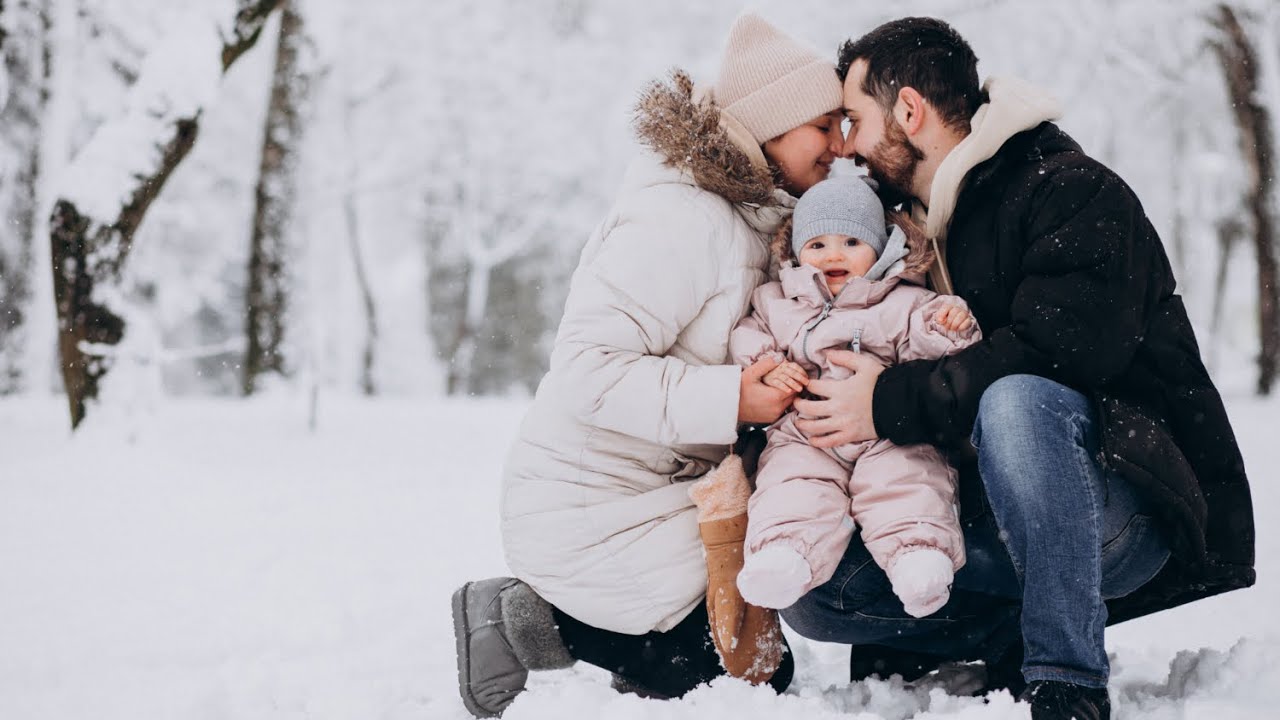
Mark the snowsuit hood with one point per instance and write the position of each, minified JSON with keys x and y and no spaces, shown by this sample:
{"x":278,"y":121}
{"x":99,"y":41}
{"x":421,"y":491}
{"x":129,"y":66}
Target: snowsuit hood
{"x":913,"y":266}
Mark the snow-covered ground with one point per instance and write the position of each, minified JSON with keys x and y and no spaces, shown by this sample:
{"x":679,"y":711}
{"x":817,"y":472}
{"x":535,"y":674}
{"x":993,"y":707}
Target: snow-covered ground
{"x":219,"y":559}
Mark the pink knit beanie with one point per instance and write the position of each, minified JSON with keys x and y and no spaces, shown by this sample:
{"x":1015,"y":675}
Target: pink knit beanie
{"x":769,"y":83}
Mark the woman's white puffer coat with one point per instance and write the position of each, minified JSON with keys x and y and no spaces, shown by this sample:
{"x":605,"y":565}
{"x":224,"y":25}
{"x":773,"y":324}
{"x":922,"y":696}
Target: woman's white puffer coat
{"x":639,"y":399}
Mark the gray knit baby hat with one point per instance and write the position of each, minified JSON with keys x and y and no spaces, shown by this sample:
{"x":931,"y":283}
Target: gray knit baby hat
{"x":840,"y":205}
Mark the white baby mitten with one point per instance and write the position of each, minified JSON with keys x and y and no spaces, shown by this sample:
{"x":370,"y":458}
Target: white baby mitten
{"x":774,"y":577}
{"x":922,"y":580}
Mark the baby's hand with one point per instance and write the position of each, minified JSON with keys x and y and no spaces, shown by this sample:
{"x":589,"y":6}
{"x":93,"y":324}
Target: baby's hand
{"x":788,"y":377}
{"x":955,"y":318}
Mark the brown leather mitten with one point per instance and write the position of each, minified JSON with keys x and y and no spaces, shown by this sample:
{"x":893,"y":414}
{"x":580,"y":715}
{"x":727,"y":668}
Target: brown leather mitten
{"x":748,"y":638}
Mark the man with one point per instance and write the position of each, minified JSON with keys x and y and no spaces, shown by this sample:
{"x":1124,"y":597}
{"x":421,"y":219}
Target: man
{"x":1107,"y":482}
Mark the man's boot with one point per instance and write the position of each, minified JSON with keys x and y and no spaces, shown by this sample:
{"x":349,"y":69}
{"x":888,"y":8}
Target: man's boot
{"x":879,"y":661}
{"x":631,"y":687}
{"x":1055,"y":700}
{"x":1004,"y":672}
{"x":503,"y":629}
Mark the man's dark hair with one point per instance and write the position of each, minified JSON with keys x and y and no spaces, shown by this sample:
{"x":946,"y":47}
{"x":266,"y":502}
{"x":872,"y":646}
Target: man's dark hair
{"x":922,"y":53}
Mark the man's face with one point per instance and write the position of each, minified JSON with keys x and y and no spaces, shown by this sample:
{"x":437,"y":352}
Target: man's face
{"x":876,"y":141}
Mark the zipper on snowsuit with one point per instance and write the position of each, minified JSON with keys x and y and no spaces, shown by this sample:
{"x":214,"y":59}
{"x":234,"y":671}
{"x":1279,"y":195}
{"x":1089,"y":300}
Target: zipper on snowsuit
{"x":855,"y":344}
{"x":826,"y":311}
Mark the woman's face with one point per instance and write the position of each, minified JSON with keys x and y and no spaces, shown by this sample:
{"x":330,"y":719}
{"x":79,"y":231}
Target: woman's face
{"x":803,"y":155}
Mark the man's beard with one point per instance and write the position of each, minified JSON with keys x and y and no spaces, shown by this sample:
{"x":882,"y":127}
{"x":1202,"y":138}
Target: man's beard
{"x":892,"y":163}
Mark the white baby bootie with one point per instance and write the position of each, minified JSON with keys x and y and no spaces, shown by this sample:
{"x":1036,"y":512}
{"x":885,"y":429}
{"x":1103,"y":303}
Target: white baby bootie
{"x":922,"y":580}
{"x":774,"y":577}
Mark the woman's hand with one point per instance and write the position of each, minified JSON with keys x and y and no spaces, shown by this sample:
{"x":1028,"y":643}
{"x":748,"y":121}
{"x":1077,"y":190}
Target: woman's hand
{"x":788,"y":376}
{"x":759,"y":403}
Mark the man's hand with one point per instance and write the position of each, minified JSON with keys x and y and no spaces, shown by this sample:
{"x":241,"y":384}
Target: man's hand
{"x":788,"y":376}
{"x":954,"y":318}
{"x":757,"y":402}
{"x":845,"y":416}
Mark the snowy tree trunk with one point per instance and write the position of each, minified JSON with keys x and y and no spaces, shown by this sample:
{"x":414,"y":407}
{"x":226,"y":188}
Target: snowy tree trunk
{"x":1240,"y":65}
{"x":276,"y":201}
{"x":462,"y":364}
{"x":24,"y":92}
{"x":117,"y":176}
{"x":484,"y":259}
{"x":353,"y":165}
{"x":352,"y":221}
{"x":1230,"y":231}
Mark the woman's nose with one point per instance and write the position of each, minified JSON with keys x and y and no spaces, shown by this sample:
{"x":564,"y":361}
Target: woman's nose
{"x":835,"y":140}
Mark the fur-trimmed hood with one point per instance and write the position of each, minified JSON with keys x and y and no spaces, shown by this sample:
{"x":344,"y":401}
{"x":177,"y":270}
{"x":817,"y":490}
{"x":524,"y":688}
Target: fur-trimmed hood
{"x":687,"y":134}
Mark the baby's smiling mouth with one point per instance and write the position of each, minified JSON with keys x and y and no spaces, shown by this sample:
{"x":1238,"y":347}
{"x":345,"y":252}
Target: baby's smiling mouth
{"x":835,"y":273}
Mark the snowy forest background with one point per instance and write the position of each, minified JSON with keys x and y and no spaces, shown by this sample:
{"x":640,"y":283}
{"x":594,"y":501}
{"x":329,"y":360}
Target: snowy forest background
{"x":387,"y":197}
{"x":364,"y":215}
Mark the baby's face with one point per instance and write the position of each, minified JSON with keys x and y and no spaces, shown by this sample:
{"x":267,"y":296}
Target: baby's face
{"x":839,"y":257}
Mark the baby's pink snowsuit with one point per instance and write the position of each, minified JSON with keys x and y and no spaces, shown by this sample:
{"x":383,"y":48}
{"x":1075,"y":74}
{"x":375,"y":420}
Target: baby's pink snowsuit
{"x":902,"y":497}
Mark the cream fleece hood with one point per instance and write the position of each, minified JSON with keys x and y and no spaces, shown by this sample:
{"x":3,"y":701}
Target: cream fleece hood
{"x":1013,"y":106}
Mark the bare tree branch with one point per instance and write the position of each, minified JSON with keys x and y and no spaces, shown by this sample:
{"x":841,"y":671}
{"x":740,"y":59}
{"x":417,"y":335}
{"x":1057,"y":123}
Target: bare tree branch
{"x":250,"y":19}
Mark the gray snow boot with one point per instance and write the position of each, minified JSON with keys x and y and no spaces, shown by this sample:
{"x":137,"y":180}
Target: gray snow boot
{"x":503,"y":630}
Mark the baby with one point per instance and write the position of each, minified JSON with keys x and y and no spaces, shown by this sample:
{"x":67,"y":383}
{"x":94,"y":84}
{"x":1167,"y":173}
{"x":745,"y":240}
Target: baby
{"x":858,"y":286}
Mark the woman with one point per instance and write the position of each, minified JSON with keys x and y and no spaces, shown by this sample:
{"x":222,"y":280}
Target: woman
{"x":597,"y":520}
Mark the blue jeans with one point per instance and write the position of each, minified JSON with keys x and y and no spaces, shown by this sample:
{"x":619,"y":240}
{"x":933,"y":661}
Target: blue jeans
{"x":1058,"y":536}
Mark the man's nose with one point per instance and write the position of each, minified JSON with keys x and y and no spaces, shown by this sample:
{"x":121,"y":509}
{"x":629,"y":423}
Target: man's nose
{"x":847,"y":152}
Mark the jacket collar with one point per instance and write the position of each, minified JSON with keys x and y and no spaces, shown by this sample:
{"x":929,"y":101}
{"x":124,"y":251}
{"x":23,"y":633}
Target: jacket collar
{"x":1028,"y":146}
{"x":806,"y":284}
{"x":1013,"y":106}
